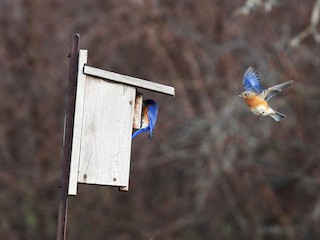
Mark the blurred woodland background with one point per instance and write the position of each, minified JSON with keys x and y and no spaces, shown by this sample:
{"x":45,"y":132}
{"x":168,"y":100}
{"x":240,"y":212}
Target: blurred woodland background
{"x":212,"y":170}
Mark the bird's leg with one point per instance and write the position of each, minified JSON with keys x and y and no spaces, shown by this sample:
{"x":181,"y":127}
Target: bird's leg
{"x":260,"y":118}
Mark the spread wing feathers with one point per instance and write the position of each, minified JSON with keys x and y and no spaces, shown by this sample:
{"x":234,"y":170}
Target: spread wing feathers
{"x":152,"y":116}
{"x":272,"y":91}
{"x":251,"y":81}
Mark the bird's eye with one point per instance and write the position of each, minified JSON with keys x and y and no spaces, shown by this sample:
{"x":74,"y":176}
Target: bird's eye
{"x":246,"y":94}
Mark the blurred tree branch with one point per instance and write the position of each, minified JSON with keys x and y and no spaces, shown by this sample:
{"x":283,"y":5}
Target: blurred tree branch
{"x":251,"y":5}
{"x":311,"y":29}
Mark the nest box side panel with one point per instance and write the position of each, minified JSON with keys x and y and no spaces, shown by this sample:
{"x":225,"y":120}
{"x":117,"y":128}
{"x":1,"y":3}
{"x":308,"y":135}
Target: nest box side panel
{"x":77,"y":128}
{"x":106,"y":133}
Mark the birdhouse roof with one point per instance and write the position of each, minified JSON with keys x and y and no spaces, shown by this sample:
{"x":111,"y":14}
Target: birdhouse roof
{"x":136,"y":82}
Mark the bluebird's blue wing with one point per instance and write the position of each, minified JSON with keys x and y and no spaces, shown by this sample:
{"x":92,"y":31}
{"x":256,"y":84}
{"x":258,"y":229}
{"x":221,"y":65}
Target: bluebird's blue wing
{"x":251,"y":81}
{"x":152,"y":112}
{"x":152,"y":115}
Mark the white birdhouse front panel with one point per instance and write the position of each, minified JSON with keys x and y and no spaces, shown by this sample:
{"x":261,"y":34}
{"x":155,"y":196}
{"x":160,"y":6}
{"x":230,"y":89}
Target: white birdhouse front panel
{"x":106,"y":133}
{"x":103,"y":121}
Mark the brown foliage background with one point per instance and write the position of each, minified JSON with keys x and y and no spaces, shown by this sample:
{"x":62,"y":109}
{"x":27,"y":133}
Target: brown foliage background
{"x":212,"y":170}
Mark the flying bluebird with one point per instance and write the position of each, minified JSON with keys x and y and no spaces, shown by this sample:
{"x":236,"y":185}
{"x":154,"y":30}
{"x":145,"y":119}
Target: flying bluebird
{"x":149,"y":117}
{"x":257,"y":98}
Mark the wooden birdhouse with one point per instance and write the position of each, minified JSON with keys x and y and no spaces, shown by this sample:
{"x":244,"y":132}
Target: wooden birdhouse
{"x":107,"y":107}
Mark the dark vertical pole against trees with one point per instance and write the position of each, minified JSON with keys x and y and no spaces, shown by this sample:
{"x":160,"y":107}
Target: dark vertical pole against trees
{"x":68,"y":134}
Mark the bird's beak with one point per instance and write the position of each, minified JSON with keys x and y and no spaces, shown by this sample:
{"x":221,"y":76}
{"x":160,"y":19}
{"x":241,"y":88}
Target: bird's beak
{"x":239,"y":96}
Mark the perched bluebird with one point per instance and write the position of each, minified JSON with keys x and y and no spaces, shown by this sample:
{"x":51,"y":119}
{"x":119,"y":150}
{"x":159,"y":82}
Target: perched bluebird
{"x":257,"y":98}
{"x":149,"y":117}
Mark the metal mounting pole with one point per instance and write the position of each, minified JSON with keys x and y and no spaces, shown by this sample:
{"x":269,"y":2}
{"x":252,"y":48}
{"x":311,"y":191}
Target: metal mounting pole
{"x":68,"y":134}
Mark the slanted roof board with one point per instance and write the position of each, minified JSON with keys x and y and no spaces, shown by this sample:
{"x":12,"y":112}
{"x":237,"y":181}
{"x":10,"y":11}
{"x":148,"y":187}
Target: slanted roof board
{"x":136,"y":82}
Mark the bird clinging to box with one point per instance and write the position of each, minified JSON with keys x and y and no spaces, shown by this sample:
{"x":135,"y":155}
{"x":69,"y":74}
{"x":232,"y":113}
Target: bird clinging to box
{"x":257,"y":98}
{"x":149,"y":118}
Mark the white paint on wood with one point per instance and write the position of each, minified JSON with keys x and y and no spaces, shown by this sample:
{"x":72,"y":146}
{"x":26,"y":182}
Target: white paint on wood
{"x":77,"y":127}
{"x":106,"y":111}
{"x":137,"y":111}
{"x":136,"y":82}
{"x":106,"y":133}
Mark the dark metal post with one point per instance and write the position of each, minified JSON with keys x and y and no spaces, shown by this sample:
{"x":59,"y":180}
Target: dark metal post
{"x":68,"y":133}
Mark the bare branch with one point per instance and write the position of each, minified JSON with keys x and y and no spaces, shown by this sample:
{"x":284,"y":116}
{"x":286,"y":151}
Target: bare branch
{"x":311,"y":29}
{"x":252,"y":5}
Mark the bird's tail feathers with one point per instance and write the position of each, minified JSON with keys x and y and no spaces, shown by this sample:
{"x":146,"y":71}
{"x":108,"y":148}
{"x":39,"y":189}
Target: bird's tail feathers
{"x":136,"y":133}
{"x":141,"y":130}
{"x":277,"y":116}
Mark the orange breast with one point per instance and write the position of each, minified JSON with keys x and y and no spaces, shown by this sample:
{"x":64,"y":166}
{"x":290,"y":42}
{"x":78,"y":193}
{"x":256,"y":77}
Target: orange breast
{"x":255,"y":101}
